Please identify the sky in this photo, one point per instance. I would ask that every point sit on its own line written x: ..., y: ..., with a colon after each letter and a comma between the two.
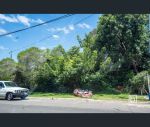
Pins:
x: 63, y: 32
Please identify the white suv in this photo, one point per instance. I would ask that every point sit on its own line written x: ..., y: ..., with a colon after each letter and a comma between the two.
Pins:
x: 9, y: 90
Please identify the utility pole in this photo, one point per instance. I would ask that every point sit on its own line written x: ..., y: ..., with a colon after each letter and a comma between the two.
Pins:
x: 149, y: 52
x: 10, y: 54
x: 148, y: 80
x: 149, y: 29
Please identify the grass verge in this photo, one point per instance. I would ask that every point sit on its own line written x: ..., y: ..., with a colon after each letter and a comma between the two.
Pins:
x: 98, y: 96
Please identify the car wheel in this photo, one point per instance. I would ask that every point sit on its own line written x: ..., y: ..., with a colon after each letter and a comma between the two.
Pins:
x: 9, y: 96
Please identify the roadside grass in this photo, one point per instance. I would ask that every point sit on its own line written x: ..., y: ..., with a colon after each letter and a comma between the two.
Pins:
x: 55, y: 95
x: 116, y: 97
x: 97, y: 96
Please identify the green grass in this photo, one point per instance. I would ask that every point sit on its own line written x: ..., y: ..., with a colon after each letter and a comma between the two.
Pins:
x: 116, y: 97
x: 98, y: 96
x: 56, y: 95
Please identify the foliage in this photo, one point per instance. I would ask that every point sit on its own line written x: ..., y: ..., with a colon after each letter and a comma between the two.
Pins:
x: 28, y: 62
x: 7, y: 69
x: 126, y: 39
x: 139, y: 81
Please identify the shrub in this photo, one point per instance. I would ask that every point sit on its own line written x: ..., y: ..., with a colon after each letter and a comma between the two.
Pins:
x: 138, y: 81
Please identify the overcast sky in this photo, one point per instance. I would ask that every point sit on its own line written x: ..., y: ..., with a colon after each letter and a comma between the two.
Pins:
x: 62, y: 32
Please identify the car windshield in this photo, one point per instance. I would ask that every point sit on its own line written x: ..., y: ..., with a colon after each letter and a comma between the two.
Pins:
x: 10, y: 84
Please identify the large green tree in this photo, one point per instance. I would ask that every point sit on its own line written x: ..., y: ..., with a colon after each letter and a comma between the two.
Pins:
x: 7, y: 69
x: 125, y: 37
x: 28, y: 62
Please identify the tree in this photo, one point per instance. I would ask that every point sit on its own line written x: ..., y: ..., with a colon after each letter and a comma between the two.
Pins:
x: 45, y: 79
x: 28, y: 62
x: 95, y: 64
x: 48, y: 73
x: 70, y: 77
x: 125, y: 37
x: 7, y: 69
x: 139, y: 82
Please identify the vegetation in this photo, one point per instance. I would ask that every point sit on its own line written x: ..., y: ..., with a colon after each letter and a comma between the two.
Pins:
x: 115, y: 53
x: 97, y: 96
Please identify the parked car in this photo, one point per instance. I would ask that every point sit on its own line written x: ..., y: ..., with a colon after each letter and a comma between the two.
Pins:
x: 10, y: 90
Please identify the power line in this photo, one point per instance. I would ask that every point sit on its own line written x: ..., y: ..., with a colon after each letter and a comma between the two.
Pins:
x: 50, y: 35
x: 49, y: 21
x: 83, y: 19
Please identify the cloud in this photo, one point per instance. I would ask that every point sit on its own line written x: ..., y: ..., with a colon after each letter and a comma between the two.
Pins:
x: 51, y: 30
x: 43, y: 48
x: 3, y: 31
x: 65, y: 30
x: 8, y: 19
x: 24, y: 20
x: 3, y: 48
x: 27, y: 21
x: 71, y: 27
x: 19, y: 19
x: 59, y: 29
x: 36, y: 21
x: 55, y: 36
x: 84, y: 26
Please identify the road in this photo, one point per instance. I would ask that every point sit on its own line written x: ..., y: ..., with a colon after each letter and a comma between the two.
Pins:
x: 71, y: 105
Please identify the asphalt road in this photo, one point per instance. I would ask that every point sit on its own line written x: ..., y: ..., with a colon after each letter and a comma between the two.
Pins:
x: 49, y: 105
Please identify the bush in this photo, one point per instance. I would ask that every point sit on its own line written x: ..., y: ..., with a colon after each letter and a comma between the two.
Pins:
x: 110, y: 90
x: 95, y: 82
x: 138, y: 81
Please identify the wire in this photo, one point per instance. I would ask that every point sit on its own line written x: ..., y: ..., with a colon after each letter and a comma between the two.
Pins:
x: 52, y: 35
x: 83, y: 19
x: 50, y: 21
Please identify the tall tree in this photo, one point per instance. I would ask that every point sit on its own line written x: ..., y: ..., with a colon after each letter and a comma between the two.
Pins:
x: 28, y: 61
x: 125, y: 37
x: 7, y: 69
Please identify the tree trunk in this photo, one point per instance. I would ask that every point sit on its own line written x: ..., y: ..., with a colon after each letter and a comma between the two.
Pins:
x: 135, y: 67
